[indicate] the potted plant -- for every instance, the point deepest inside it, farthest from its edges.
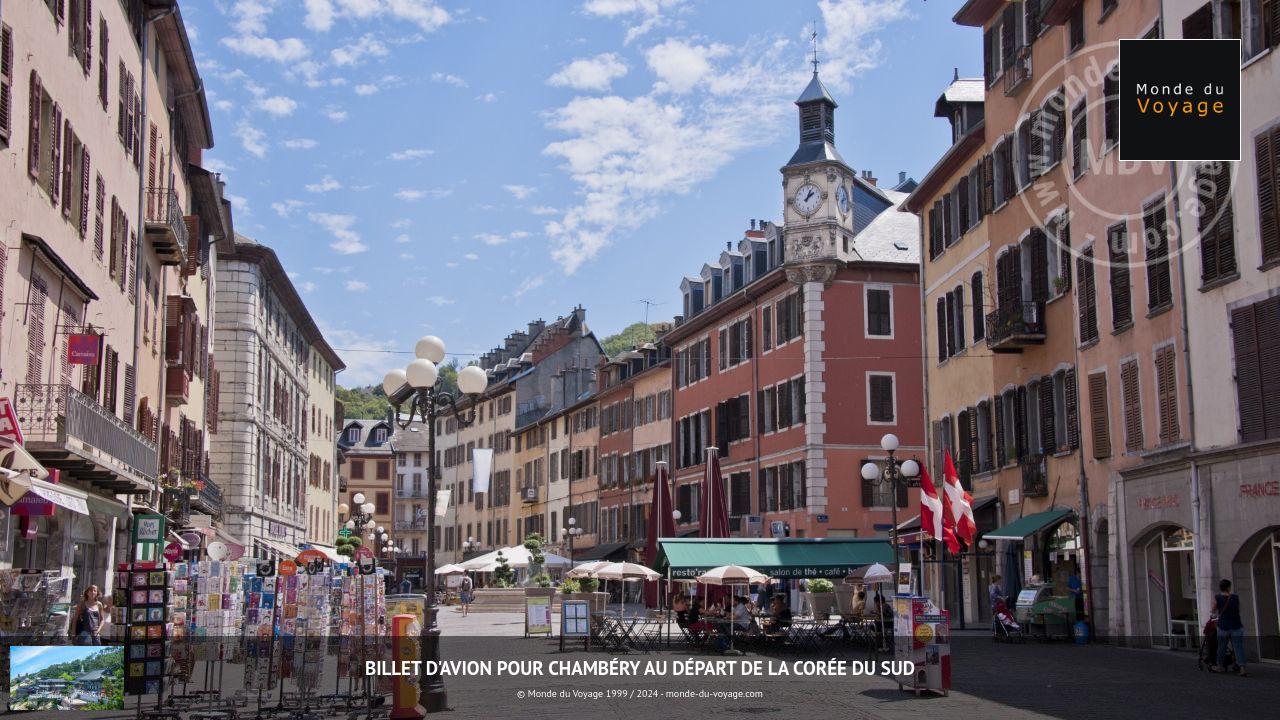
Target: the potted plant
(590, 591)
(821, 597)
(1060, 284)
(570, 587)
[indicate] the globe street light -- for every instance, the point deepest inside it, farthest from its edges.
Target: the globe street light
(416, 385)
(891, 474)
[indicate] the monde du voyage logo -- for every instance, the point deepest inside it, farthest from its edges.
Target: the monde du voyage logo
(1180, 100)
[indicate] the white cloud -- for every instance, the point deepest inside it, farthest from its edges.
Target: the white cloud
(495, 239)
(366, 46)
(348, 240)
(252, 139)
(848, 44)
(214, 165)
(278, 105)
(286, 50)
(356, 285)
(531, 283)
(300, 144)
(426, 14)
(307, 286)
(440, 300)
(224, 105)
(403, 238)
(680, 65)
(645, 14)
(407, 256)
(448, 79)
(413, 194)
(451, 264)
(366, 357)
(402, 223)
(365, 89)
(471, 256)
(286, 208)
(326, 184)
(543, 210)
(319, 15)
(239, 203)
(410, 154)
(595, 73)
(487, 97)
(335, 114)
(520, 191)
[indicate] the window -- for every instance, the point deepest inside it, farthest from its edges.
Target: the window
(974, 202)
(1199, 24)
(984, 431)
(1132, 402)
(1087, 299)
(1022, 161)
(1111, 108)
(1266, 26)
(1255, 333)
(735, 344)
(733, 422)
(789, 323)
(6, 83)
(1076, 28)
(740, 494)
(1079, 138)
(382, 503)
(1039, 409)
(766, 328)
(1118, 254)
(1053, 129)
(941, 330)
(80, 32)
(879, 312)
(1002, 166)
(1099, 421)
(958, 324)
(1167, 394)
(964, 206)
(1216, 222)
(1156, 234)
(357, 469)
(1266, 148)
(881, 402)
(975, 294)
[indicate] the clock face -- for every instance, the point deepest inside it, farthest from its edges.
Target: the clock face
(842, 200)
(808, 198)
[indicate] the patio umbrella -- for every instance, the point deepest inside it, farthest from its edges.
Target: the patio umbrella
(451, 569)
(732, 575)
(587, 569)
(713, 512)
(625, 572)
(871, 574)
(661, 524)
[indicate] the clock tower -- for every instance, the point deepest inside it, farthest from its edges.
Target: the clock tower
(817, 188)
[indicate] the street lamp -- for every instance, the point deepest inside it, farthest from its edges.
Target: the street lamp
(891, 474)
(416, 384)
(574, 531)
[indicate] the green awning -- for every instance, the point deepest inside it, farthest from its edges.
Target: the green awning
(688, 558)
(1027, 525)
(99, 505)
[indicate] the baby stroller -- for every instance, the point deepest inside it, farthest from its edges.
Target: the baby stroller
(1003, 626)
(1209, 649)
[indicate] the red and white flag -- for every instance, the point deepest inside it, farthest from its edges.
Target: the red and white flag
(959, 505)
(933, 518)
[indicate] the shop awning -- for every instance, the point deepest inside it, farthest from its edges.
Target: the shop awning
(281, 547)
(778, 558)
(329, 551)
(61, 495)
(99, 505)
(603, 551)
(1028, 525)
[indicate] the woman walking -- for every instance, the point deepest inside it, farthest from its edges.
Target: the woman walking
(86, 621)
(1230, 628)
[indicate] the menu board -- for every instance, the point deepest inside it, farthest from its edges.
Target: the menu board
(147, 591)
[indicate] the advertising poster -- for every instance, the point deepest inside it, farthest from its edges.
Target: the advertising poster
(537, 620)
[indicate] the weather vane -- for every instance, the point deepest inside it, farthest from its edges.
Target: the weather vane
(814, 38)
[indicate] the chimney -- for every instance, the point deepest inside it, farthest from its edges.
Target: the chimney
(536, 327)
(753, 223)
(866, 175)
(902, 177)
(955, 74)
(728, 245)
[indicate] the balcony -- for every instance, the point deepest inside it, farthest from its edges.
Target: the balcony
(411, 525)
(209, 497)
(1019, 73)
(175, 504)
(177, 386)
(166, 226)
(411, 493)
(529, 494)
(1014, 326)
(1035, 477)
(68, 430)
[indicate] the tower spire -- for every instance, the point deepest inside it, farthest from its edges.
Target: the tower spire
(814, 38)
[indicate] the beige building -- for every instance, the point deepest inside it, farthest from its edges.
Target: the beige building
(322, 447)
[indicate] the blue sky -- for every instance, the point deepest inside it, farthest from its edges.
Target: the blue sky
(431, 167)
(25, 659)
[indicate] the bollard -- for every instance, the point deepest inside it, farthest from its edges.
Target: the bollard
(404, 648)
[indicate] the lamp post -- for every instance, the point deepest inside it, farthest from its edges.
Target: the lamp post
(893, 472)
(574, 531)
(416, 384)
(361, 519)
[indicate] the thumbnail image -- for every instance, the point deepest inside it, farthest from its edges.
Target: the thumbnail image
(66, 678)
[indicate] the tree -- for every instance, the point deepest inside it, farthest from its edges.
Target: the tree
(503, 575)
(631, 336)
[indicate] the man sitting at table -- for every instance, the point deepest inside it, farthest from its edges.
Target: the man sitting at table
(741, 614)
(779, 616)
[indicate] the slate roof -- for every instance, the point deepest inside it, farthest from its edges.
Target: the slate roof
(892, 237)
(814, 152)
(965, 90)
(815, 91)
(364, 438)
(411, 439)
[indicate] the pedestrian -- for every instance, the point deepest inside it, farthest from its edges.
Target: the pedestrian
(464, 592)
(1230, 628)
(86, 620)
(995, 593)
(405, 586)
(1076, 588)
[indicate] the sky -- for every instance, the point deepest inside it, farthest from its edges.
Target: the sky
(461, 169)
(26, 659)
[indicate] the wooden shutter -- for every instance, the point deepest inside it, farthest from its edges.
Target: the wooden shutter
(975, 445)
(1036, 163)
(997, 422)
(1159, 287)
(1100, 425)
(988, 71)
(153, 198)
(99, 208)
(1048, 441)
(110, 363)
(1072, 400)
(1167, 394)
(4, 262)
(193, 245)
(66, 173)
(1121, 289)
(965, 448)
(33, 132)
(1087, 298)
(1020, 421)
(1271, 22)
(174, 330)
(1216, 221)
(103, 83)
(1039, 265)
(87, 57)
(84, 192)
(35, 331)
(1059, 103)
(988, 183)
(1033, 20)
(130, 392)
(6, 82)
(976, 297)
(55, 147)
(1132, 406)
(949, 327)
(131, 258)
(1266, 150)
(1248, 373)
(122, 107)
(942, 329)
(1008, 34)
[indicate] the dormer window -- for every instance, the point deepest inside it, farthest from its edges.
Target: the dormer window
(353, 435)
(379, 435)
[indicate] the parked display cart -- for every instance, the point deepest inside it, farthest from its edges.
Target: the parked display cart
(1043, 615)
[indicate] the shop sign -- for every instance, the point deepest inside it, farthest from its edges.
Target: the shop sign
(345, 532)
(172, 552)
(148, 528)
(1159, 502)
(1262, 489)
(32, 505)
(82, 349)
(822, 519)
(10, 429)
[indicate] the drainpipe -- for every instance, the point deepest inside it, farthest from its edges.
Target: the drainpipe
(928, 437)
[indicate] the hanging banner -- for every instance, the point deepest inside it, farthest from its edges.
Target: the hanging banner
(442, 502)
(481, 463)
(10, 430)
(82, 349)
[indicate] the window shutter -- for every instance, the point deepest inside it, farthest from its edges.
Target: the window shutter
(1248, 373)
(1132, 406)
(60, 11)
(988, 72)
(151, 171)
(66, 174)
(1036, 152)
(1039, 266)
(979, 316)
(1098, 419)
(33, 128)
(998, 424)
(965, 448)
(1064, 241)
(99, 205)
(1087, 299)
(130, 389)
(88, 36)
(722, 429)
(1048, 441)
(1159, 288)
(193, 245)
(975, 444)
(131, 258)
(6, 82)
(900, 486)
(1020, 422)
(988, 184)
(122, 107)
(1266, 150)
(55, 143)
(103, 83)
(1167, 395)
(949, 324)
(1059, 103)
(1008, 33)
(1072, 413)
(942, 329)
(84, 193)
(959, 326)
(35, 332)
(868, 489)
(1121, 289)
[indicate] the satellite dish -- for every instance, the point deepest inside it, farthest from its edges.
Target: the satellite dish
(217, 550)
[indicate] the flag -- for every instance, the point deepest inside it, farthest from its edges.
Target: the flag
(442, 502)
(933, 519)
(481, 465)
(959, 505)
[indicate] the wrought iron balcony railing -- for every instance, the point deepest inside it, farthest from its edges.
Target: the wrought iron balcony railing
(1035, 477)
(166, 226)
(61, 418)
(1019, 73)
(1014, 325)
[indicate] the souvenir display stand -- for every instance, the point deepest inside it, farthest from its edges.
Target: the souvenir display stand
(208, 611)
(143, 598)
(922, 635)
(33, 603)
